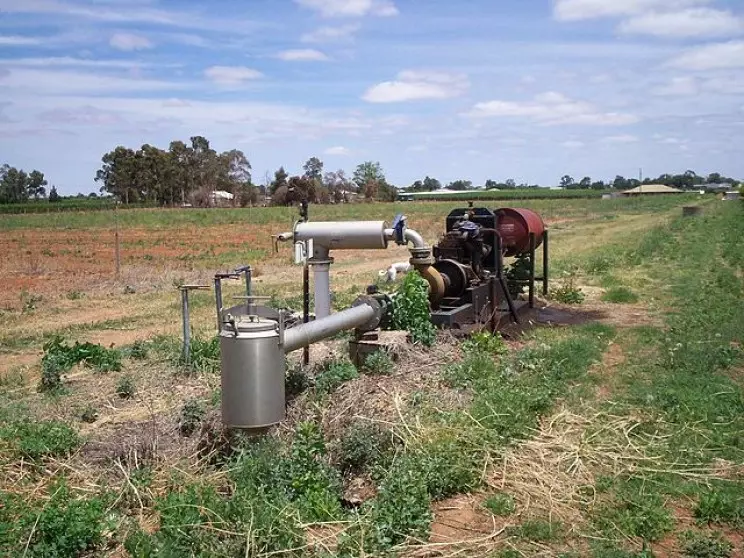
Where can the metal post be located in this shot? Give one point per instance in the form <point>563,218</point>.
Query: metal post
<point>532,270</point>
<point>186,355</point>
<point>248,280</point>
<point>545,263</point>
<point>218,300</point>
<point>117,251</point>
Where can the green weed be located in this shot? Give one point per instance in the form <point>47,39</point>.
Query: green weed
<point>538,530</point>
<point>379,363</point>
<point>486,342</point>
<point>501,504</point>
<point>333,374</point>
<point>192,413</point>
<point>125,387</point>
<point>619,295</point>
<point>722,504</point>
<point>700,545</point>
<point>363,446</point>
<point>32,439</point>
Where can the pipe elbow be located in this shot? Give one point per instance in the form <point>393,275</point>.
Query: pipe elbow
<point>414,238</point>
<point>285,237</point>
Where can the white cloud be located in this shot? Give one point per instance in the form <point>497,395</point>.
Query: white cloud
<point>329,34</point>
<point>573,144</point>
<point>338,151</point>
<point>231,75</point>
<point>623,138</point>
<point>351,8</point>
<point>302,55</point>
<point>552,108</point>
<point>678,87</point>
<point>68,61</point>
<point>39,82</point>
<point>415,85</point>
<point>15,40</point>
<point>575,10</point>
<point>130,41</point>
<point>712,57</point>
<point>693,22</point>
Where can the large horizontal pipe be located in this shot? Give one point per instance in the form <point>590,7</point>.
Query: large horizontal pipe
<point>343,235</point>
<point>312,332</point>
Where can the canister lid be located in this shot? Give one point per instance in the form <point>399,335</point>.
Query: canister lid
<point>254,324</point>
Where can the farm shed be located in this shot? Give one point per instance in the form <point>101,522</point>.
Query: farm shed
<point>654,189</point>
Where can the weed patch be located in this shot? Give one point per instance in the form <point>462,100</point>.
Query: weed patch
<point>34,440</point>
<point>334,374</point>
<point>59,358</point>
<point>411,310</point>
<point>619,295</point>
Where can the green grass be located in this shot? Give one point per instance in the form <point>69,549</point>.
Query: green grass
<point>500,504</point>
<point>619,295</point>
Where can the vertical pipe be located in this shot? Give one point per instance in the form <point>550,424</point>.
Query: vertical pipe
<point>545,262</point>
<point>186,329</point>
<point>305,305</point>
<point>322,290</point>
<point>218,301</point>
<point>248,280</point>
<point>494,306</point>
<point>532,270</point>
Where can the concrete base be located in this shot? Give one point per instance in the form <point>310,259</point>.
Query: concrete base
<point>373,341</point>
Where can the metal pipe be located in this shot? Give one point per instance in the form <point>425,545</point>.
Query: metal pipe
<point>218,301</point>
<point>322,281</point>
<point>343,235</point>
<point>414,238</point>
<point>545,262</point>
<point>312,332</point>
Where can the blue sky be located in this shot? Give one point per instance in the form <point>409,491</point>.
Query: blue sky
<point>473,89</point>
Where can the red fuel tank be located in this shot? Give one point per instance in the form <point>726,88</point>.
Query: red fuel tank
<point>515,225</point>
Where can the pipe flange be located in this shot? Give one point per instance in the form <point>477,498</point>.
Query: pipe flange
<point>373,323</point>
<point>320,261</point>
<point>421,261</point>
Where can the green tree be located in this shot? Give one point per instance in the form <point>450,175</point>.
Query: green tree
<point>585,183</point>
<point>460,185</point>
<point>368,172</point>
<point>313,168</point>
<point>36,184</point>
<point>118,174</point>
<point>53,195</point>
<point>567,181</point>
<point>280,179</point>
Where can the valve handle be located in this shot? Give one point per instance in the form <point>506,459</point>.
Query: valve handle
<point>399,226</point>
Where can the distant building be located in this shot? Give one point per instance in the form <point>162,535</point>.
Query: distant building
<point>651,189</point>
<point>721,188</point>
<point>408,196</point>
<point>221,198</point>
<point>731,196</point>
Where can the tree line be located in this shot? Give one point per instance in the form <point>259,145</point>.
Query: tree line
<point>190,174</point>
<point>18,186</point>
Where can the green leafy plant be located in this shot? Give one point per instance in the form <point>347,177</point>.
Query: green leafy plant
<point>138,350</point>
<point>59,358</point>
<point>619,295</point>
<point>379,363</point>
<point>568,293</point>
<point>125,387</point>
<point>296,381</point>
<point>333,374</point>
<point>722,505</point>
<point>192,413</point>
<point>501,504</point>
<point>65,526</point>
<point>205,355</point>
<point>37,439</point>
<point>517,274</point>
<point>411,310</point>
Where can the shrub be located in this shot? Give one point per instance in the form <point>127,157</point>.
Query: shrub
<point>296,382</point>
<point>411,310</point>
<point>125,387</point>
<point>379,363</point>
<point>619,295</point>
<point>699,545</point>
<point>333,374</point>
<point>363,445</point>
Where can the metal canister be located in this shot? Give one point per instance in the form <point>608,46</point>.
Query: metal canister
<point>252,373</point>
